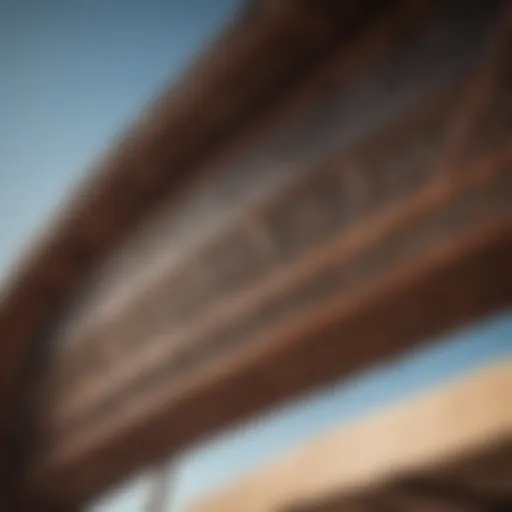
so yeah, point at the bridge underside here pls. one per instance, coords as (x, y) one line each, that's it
(344, 194)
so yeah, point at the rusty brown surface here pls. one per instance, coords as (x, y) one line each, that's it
(426, 259)
(414, 304)
(331, 194)
(345, 289)
(256, 61)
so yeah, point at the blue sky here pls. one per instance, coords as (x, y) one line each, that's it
(72, 73)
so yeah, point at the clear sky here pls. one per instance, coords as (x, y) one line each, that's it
(72, 73)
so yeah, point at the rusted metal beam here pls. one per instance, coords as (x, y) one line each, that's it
(423, 251)
(359, 279)
(253, 65)
(247, 71)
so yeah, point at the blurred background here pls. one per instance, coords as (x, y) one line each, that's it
(73, 73)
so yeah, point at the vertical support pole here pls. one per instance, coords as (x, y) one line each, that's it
(161, 492)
